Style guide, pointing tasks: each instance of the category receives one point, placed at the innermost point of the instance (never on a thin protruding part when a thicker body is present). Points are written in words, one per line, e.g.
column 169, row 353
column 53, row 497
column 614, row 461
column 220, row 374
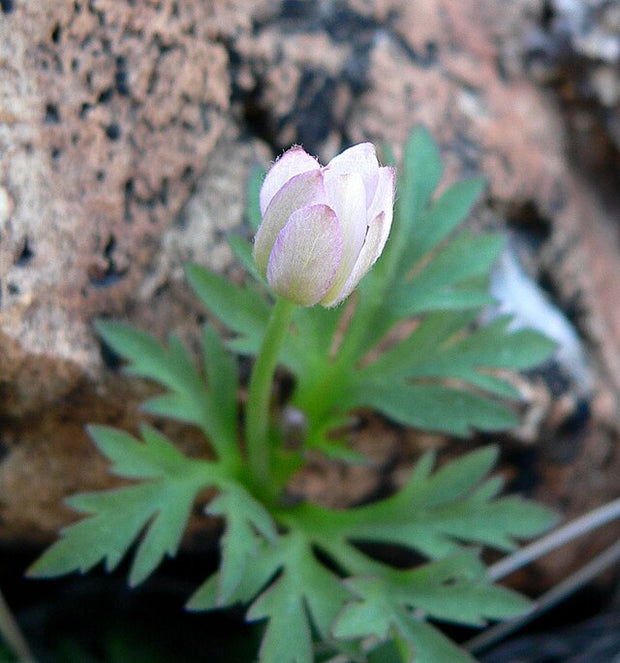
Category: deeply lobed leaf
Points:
column 158, row 508
column 435, row 513
column 210, row 406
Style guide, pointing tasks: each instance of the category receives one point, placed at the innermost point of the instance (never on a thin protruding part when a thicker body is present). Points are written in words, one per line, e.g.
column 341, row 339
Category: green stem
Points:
column 259, row 393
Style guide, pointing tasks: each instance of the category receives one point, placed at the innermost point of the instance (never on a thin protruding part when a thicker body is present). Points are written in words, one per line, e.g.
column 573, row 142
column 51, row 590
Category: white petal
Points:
column 306, row 255
column 360, row 159
column 346, row 196
column 291, row 163
column 300, row 191
column 373, row 246
column 384, row 200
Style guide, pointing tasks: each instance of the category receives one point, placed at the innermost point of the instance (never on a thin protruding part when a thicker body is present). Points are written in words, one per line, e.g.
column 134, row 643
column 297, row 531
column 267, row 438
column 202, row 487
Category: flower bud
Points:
column 323, row 227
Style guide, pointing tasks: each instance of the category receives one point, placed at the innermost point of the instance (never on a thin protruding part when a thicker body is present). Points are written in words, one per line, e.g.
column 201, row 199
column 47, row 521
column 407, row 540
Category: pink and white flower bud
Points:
column 323, row 227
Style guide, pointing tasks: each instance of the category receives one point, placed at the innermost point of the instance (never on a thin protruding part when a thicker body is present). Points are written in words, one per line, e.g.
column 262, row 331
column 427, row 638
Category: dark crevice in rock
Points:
column 502, row 72
column 56, row 33
column 188, row 174
column 205, row 119
column 121, row 81
column 52, row 114
column 163, row 191
column 345, row 26
column 105, row 276
column 105, row 95
column 257, row 119
column 572, row 307
column 128, row 195
column 110, row 358
column 6, row 6
column 85, row 107
column 526, row 217
column 26, row 254
column 113, row 131
column 528, row 478
column 312, row 117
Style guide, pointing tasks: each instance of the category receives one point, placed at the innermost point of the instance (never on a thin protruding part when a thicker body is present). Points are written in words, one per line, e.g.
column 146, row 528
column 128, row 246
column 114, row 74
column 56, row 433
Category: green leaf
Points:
column 431, row 334
column 452, row 481
column 221, row 371
column 465, row 257
column 287, row 635
column 490, row 347
column 294, row 591
column 435, row 513
column 433, row 407
column 405, row 382
column 496, row 523
column 431, row 646
column 375, row 614
column 160, row 507
column 305, row 596
column 241, row 308
column 189, row 398
column 380, row 613
column 422, row 172
column 154, row 458
column 453, row 589
column 312, row 346
column 245, row 519
column 265, row 565
column 432, row 227
column 243, row 252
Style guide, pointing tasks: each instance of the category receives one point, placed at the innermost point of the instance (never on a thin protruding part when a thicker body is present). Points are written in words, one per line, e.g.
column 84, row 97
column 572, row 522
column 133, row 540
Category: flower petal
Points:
column 300, row 191
column 306, row 255
column 361, row 159
column 383, row 201
column 291, row 163
column 346, row 196
column 373, row 246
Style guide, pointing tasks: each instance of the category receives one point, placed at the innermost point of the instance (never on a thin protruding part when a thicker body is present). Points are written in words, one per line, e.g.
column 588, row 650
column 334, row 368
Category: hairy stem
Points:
column 259, row 393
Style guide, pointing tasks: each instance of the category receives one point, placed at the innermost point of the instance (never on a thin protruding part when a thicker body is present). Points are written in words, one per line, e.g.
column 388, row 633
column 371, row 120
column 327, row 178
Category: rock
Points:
column 577, row 47
column 102, row 154
column 130, row 134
